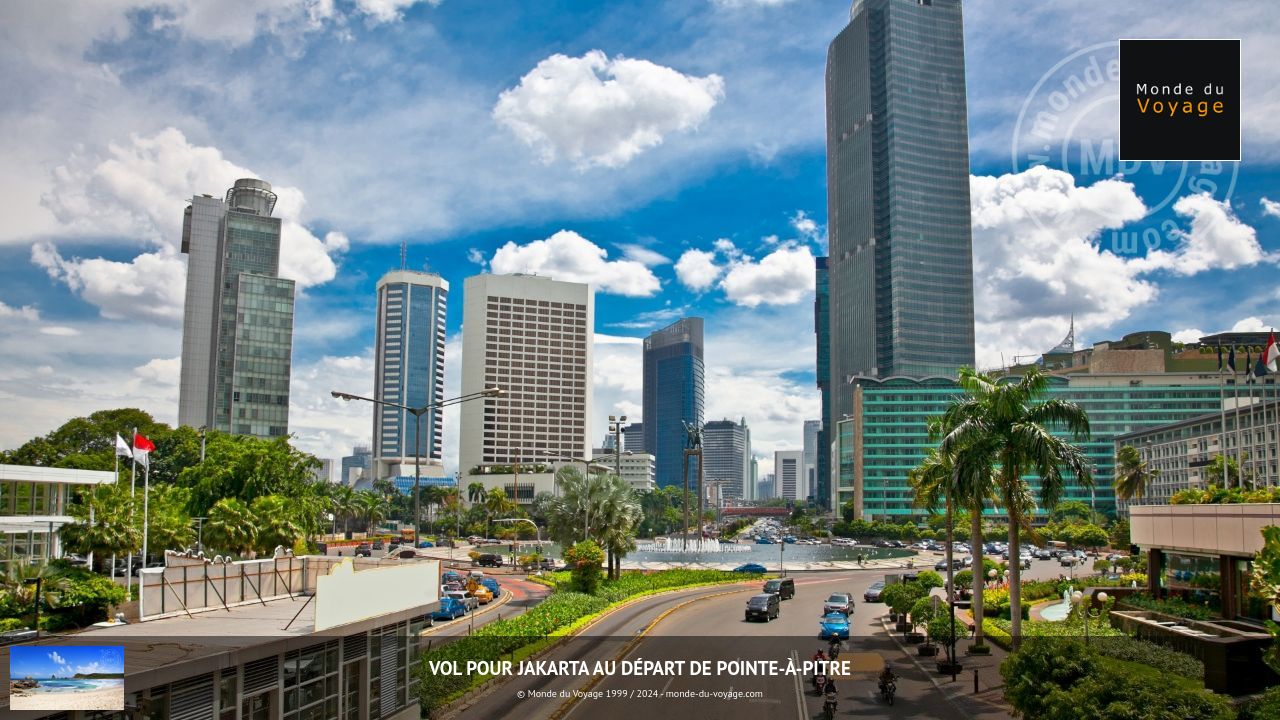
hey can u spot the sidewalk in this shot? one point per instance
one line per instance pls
(988, 703)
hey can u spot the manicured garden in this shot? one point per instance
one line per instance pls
(579, 596)
(70, 597)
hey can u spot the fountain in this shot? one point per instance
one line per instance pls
(1059, 612)
(696, 545)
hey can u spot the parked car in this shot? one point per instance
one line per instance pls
(465, 598)
(874, 592)
(450, 609)
(153, 564)
(838, 602)
(76, 559)
(751, 568)
(833, 625)
(364, 550)
(956, 564)
(764, 605)
(1043, 554)
(489, 560)
(784, 587)
(426, 544)
(1068, 560)
(547, 564)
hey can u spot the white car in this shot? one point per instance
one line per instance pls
(469, 601)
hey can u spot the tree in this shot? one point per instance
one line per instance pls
(619, 517)
(112, 531)
(1006, 426)
(476, 493)
(231, 527)
(276, 523)
(1071, 511)
(584, 560)
(1132, 474)
(342, 503)
(1119, 534)
(169, 526)
(1214, 471)
(373, 508)
(1088, 535)
(1265, 583)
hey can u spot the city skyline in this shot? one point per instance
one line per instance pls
(707, 199)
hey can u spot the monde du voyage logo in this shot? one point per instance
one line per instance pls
(1180, 100)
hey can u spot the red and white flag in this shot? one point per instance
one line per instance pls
(142, 448)
(1270, 353)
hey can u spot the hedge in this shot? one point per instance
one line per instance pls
(1170, 606)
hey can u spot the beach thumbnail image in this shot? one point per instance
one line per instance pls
(66, 677)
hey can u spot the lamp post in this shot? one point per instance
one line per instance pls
(417, 450)
(991, 576)
(615, 427)
(1087, 611)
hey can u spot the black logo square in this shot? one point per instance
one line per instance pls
(1180, 100)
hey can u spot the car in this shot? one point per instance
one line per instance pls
(492, 585)
(883, 544)
(364, 550)
(762, 540)
(75, 559)
(450, 609)
(874, 592)
(465, 598)
(1043, 554)
(481, 593)
(489, 560)
(451, 587)
(764, 605)
(426, 544)
(377, 545)
(956, 564)
(784, 587)
(840, 602)
(833, 625)
(452, 576)
(547, 564)
(138, 567)
(1068, 560)
(756, 568)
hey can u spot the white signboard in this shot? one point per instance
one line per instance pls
(346, 596)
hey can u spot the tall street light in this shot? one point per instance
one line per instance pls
(615, 427)
(417, 435)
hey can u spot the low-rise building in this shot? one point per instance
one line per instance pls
(639, 470)
(33, 506)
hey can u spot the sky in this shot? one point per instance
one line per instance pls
(671, 153)
(42, 661)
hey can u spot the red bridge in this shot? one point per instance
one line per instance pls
(755, 511)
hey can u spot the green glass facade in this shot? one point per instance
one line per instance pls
(263, 347)
(822, 328)
(894, 412)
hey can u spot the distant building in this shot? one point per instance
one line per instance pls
(237, 323)
(531, 337)
(633, 437)
(752, 490)
(324, 473)
(409, 370)
(726, 447)
(33, 507)
(638, 469)
(822, 329)
(357, 466)
(673, 396)
(767, 488)
(812, 428)
(788, 468)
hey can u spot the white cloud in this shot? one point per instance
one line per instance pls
(150, 287)
(161, 371)
(653, 319)
(567, 255)
(1217, 240)
(321, 424)
(1189, 335)
(1270, 207)
(736, 4)
(59, 330)
(595, 111)
(54, 656)
(475, 256)
(782, 277)
(383, 11)
(26, 312)
(1038, 260)
(697, 270)
(139, 192)
(1250, 324)
(807, 228)
(643, 255)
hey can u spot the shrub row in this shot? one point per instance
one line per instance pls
(1170, 606)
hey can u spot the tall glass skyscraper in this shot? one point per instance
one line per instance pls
(900, 265)
(673, 392)
(726, 445)
(409, 366)
(822, 328)
(237, 327)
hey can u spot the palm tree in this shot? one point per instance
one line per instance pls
(1006, 427)
(934, 481)
(342, 503)
(1132, 473)
(619, 514)
(496, 504)
(373, 507)
(112, 530)
(276, 523)
(476, 492)
(231, 526)
(568, 513)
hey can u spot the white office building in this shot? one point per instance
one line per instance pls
(33, 506)
(788, 470)
(531, 337)
(638, 469)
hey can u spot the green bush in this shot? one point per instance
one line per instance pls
(10, 624)
(1170, 606)
(940, 628)
(1263, 707)
(584, 561)
(1150, 654)
(1041, 667)
(921, 612)
(1125, 697)
(929, 579)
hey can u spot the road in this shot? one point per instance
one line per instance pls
(708, 624)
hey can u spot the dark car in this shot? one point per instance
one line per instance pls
(489, 560)
(547, 564)
(956, 564)
(764, 606)
(785, 588)
(838, 602)
(874, 592)
(756, 568)
(450, 608)
(364, 550)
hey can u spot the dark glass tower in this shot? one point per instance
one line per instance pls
(673, 394)
(822, 328)
(901, 264)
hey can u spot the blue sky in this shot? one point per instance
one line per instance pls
(671, 153)
(42, 661)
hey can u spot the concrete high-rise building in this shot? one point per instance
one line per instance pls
(811, 430)
(237, 323)
(726, 446)
(633, 437)
(788, 474)
(673, 395)
(822, 329)
(531, 337)
(409, 370)
(752, 490)
(900, 267)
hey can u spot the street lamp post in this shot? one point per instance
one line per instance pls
(37, 581)
(615, 427)
(1086, 610)
(417, 416)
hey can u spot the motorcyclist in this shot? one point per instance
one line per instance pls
(830, 701)
(833, 650)
(887, 676)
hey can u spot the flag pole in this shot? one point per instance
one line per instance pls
(1222, 419)
(1235, 395)
(133, 486)
(146, 516)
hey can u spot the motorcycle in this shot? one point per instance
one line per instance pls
(829, 706)
(887, 689)
(833, 651)
(819, 680)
